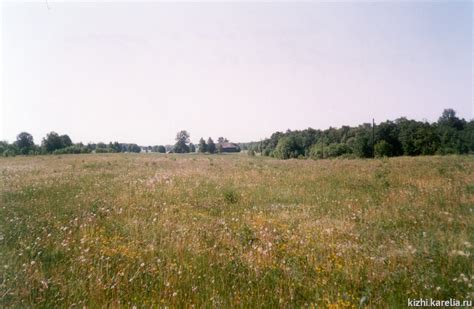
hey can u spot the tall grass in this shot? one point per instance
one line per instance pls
(233, 230)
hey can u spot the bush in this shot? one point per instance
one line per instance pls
(383, 149)
(72, 150)
(9, 153)
(316, 151)
(230, 196)
(251, 153)
(289, 147)
(336, 149)
(104, 150)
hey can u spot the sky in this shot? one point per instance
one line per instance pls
(139, 72)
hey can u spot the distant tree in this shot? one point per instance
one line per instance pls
(24, 143)
(8, 150)
(426, 140)
(388, 131)
(52, 141)
(182, 141)
(383, 149)
(192, 148)
(3, 146)
(269, 145)
(91, 146)
(316, 151)
(219, 148)
(406, 136)
(289, 147)
(211, 147)
(338, 149)
(65, 141)
(115, 146)
(449, 118)
(134, 148)
(362, 141)
(161, 149)
(450, 130)
(222, 140)
(468, 136)
(101, 145)
(202, 147)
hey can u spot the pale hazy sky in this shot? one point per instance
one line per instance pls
(139, 72)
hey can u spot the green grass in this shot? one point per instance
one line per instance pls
(231, 230)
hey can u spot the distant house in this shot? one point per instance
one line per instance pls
(227, 147)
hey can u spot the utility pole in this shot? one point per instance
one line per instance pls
(322, 142)
(373, 137)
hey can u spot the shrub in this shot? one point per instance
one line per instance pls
(9, 153)
(75, 149)
(104, 150)
(383, 149)
(289, 147)
(230, 196)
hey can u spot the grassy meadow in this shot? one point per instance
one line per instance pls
(124, 230)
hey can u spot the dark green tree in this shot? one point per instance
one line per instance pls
(182, 141)
(115, 146)
(211, 147)
(448, 118)
(202, 147)
(289, 147)
(406, 135)
(51, 142)
(383, 149)
(361, 144)
(134, 148)
(65, 141)
(388, 131)
(24, 143)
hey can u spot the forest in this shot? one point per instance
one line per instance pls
(401, 137)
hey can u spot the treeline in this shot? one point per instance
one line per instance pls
(54, 143)
(183, 144)
(449, 135)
